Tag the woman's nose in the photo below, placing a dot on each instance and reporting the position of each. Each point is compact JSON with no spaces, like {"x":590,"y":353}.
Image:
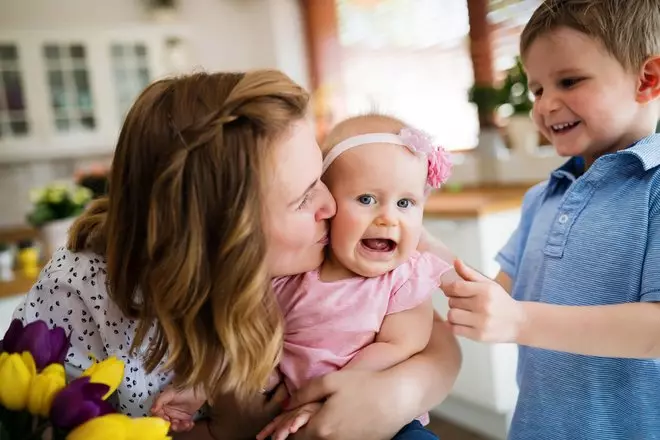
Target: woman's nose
{"x":328,"y":206}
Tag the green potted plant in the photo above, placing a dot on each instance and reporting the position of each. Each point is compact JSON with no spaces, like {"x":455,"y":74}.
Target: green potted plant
{"x":517,"y":103}
{"x":55,"y":207}
{"x":487,"y":99}
{"x":95,"y":179}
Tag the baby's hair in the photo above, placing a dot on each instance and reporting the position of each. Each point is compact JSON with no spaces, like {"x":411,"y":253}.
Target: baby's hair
{"x":372,"y":122}
{"x":629,"y":29}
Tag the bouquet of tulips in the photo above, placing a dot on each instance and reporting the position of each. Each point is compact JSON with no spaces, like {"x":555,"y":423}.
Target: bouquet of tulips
{"x":37,"y":403}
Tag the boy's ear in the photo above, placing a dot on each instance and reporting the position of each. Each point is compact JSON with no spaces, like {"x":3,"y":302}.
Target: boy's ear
{"x":648,"y":87}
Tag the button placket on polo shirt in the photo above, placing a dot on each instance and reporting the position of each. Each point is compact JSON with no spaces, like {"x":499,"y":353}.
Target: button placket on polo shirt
{"x":575,"y":199}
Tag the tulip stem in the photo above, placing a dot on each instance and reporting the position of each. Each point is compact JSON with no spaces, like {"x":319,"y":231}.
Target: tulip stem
{"x":15,"y":424}
{"x":42,"y":425}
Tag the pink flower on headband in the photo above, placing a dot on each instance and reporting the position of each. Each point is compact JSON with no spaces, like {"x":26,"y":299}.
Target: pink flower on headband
{"x":439,"y":160}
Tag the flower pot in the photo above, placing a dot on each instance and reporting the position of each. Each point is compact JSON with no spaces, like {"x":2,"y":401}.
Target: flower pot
{"x":523,"y":135}
{"x":54,"y":235}
{"x":6,"y":265}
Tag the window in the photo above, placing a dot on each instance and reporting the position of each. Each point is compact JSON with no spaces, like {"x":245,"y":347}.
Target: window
{"x":508,"y":18}
{"x":70,"y":91}
{"x":130,"y":67}
{"x":411,"y":60}
{"x":13,"y":115}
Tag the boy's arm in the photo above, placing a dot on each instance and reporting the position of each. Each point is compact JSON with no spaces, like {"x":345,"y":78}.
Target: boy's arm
{"x":401,"y":335}
{"x":482,"y":310}
{"x":622,"y":330}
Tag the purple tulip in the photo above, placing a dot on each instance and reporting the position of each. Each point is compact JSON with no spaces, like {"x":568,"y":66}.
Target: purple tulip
{"x":79,"y":402}
{"x":46,"y":346}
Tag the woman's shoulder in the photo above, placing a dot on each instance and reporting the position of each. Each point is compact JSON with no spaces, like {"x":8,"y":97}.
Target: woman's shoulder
{"x":71,"y":293}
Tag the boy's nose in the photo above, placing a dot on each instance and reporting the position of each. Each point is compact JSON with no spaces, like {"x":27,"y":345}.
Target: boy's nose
{"x":547,"y":104}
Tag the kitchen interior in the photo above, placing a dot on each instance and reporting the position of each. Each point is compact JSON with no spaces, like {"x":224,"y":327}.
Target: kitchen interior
{"x":69,"y":70}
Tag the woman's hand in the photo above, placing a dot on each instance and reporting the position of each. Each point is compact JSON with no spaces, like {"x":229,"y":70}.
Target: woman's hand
{"x":357,"y":406}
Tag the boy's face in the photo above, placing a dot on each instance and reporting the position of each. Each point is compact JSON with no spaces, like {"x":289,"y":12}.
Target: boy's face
{"x":380,"y":195}
{"x":585,"y":101}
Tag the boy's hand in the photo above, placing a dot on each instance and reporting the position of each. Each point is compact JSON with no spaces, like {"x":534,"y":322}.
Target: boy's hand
{"x":480,"y":309}
{"x":289,"y":422}
{"x":178,"y":407}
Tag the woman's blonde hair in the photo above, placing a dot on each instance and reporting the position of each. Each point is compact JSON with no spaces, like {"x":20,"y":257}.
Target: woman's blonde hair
{"x":181,"y":227}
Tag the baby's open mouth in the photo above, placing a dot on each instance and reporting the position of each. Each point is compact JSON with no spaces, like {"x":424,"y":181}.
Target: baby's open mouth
{"x":379,"y":244}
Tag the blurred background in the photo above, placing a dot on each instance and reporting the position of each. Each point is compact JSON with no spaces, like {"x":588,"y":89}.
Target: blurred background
{"x":70,"y":69}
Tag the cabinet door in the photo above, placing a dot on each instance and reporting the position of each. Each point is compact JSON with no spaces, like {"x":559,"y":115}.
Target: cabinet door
{"x":487,"y":376}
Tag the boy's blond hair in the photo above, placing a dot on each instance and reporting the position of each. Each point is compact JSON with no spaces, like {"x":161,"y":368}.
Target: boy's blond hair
{"x":629,"y":29}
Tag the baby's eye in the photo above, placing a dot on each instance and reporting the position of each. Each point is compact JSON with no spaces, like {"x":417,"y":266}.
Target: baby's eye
{"x":405,"y":203}
{"x":366,"y":199}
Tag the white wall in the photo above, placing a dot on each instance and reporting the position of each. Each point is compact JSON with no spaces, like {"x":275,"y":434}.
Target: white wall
{"x":224,"y":34}
{"x":219,"y":35}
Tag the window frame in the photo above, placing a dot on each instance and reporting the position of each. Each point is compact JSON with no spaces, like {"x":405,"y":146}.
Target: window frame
{"x":44,"y":141}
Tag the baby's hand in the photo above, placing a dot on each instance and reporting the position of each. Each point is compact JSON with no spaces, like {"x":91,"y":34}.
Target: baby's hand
{"x":289,"y":422}
{"x":178,"y":407}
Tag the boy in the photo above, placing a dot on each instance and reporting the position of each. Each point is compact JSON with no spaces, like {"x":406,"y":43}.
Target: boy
{"x":583,"y":267}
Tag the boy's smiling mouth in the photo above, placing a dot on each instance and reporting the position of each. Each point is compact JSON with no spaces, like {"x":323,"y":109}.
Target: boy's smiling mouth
{"x":563,"y":127}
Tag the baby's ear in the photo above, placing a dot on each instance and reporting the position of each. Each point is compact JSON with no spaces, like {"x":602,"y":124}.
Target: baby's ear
{"x":648,"y":87}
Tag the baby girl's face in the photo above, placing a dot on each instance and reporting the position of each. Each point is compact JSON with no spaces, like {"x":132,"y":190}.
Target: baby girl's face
{"x":379,"y":189}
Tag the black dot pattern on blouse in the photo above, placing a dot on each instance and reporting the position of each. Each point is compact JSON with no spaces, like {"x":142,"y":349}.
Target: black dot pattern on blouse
{"x":71,"y":293}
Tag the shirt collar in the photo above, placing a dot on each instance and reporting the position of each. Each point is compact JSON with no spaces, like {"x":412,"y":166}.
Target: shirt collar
{"x":571,"y":169}
{"x":647,"y":151}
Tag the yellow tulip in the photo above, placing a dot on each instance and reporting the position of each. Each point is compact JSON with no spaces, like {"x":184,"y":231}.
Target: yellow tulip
{"x":16,"y":373}
{"x":107,"y":427}
{"x":148,"y":428}
{"x":43,"y":388}
{"x":109,"y":372}
{"x":121,"y":427}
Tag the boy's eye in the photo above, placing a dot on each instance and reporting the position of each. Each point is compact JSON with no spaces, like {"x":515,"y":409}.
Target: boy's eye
{"x":537,"y":92}
{"x":569,"y":82}
{"x":405,"y":203}
{"x":366,"y":199}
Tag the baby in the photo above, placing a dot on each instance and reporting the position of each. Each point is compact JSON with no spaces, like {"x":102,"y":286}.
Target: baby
{"x":369,"y":304}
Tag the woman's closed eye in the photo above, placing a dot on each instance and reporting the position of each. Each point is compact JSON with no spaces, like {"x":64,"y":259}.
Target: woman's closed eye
{"x":305,"y":201}
{"x":366,"y":199}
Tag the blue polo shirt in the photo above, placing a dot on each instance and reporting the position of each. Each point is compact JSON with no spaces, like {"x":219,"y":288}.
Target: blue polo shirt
{"x":589,"y":239}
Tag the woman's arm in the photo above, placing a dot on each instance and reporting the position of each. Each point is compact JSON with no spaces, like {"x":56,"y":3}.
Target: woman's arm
{"x":385,"y":400}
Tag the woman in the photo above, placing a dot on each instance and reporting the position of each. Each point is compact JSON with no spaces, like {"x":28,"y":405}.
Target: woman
{"x":215,"y":189}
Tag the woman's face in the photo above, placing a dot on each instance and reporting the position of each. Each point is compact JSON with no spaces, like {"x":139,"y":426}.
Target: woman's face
{"x":297,"y":204}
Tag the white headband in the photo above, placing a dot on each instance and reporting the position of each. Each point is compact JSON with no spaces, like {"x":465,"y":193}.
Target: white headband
{"x":418,"y":142}
{"x":356,"y":141}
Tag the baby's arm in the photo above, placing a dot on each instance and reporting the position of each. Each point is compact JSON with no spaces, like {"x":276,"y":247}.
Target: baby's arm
{"x":401,"y":335}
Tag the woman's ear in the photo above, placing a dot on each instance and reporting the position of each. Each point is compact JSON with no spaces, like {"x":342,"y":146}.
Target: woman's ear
{"x":648,"y":87}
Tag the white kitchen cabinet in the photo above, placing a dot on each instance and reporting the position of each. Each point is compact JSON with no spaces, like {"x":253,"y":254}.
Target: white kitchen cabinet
{"x":485,"y":393}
